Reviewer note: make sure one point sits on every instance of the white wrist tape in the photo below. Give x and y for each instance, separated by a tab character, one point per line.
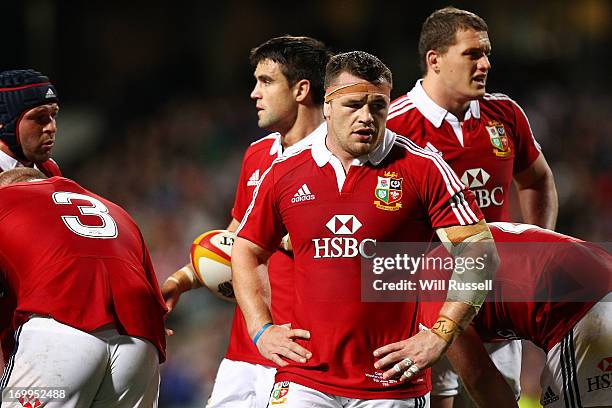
190	275
470	278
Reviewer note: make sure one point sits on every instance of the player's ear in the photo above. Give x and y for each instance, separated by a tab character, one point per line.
432	58
326	109
301	90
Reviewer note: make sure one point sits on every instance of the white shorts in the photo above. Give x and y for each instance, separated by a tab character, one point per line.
287	394
578	370
506	356
241	385
61	366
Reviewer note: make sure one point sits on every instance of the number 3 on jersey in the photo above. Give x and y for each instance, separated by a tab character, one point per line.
108	229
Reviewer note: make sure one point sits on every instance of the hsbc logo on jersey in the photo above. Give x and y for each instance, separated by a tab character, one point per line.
474	178
343	224
605	364
601	381
341	247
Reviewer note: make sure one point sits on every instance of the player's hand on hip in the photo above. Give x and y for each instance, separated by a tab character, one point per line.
407	358
278	341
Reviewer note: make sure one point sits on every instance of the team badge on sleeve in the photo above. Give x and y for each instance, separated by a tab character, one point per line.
499	139
279	393
388	192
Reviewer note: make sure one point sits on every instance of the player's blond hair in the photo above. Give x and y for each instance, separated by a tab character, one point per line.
19	175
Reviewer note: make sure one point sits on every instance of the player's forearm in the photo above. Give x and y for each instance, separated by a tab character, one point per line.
474	274
539	202
249	287
459	312
475	262
462	303
185	279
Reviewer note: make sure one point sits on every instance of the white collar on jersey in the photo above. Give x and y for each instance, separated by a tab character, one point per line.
322	155
7	162
434	112
277	147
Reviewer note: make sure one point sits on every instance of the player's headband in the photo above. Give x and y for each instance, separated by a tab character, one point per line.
360	87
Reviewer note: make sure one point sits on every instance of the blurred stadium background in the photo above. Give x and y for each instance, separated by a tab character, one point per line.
155	114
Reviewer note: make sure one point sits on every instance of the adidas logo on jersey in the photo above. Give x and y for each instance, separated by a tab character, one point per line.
254	179
50	93
549	396
303	194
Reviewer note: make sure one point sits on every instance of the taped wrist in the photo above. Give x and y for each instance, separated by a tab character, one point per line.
471	279
446	328
185	278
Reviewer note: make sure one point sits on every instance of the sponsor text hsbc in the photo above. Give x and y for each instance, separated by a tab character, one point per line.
485	197
343	247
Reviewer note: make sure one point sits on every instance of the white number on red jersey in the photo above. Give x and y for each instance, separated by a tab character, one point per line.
108	229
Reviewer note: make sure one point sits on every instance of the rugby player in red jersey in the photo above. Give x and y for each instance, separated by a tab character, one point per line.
288	95
366	185
28	110
485	138
89	315
553	290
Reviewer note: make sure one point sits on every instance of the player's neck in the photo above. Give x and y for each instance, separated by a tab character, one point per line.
441	96
308	119
334	147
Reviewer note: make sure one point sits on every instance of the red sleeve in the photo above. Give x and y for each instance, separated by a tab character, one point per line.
262	222
527	149
243	197
448	201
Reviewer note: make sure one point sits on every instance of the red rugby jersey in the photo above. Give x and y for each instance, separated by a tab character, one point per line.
257	159
77	257
493	143
7	301
399	192
545	284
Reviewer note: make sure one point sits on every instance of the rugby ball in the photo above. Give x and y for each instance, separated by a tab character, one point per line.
211	259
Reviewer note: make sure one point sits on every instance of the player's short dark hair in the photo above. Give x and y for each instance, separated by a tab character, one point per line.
299	58
358	63
440	29
19	175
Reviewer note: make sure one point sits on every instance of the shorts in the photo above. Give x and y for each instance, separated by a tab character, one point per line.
241	385
287	394
578	370
506	356
69	368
